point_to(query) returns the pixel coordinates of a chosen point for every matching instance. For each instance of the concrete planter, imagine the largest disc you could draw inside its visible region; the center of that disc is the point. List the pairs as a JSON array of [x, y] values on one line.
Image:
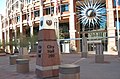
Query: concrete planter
[[22, 65], [12, 59]]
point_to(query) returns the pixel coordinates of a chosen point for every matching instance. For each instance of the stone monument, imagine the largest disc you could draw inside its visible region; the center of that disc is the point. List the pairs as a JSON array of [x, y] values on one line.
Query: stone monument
[[47, 61]]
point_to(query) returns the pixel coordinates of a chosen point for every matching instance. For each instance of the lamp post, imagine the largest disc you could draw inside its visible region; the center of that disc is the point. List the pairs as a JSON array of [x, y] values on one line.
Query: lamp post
[[117, 28]]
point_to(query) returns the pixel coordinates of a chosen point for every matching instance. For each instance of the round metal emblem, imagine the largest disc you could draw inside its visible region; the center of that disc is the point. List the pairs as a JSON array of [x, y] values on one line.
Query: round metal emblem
[[49, 22]]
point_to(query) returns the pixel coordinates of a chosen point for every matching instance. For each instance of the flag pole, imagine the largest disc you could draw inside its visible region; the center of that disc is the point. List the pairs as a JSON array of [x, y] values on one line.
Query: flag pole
[[117, 26]]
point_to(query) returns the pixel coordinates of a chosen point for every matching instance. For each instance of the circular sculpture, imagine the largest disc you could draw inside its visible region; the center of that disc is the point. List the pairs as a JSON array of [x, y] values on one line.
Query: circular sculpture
[[91, 12]]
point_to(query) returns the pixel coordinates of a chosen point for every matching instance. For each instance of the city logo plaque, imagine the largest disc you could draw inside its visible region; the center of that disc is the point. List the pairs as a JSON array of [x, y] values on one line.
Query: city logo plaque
[[49, 22]]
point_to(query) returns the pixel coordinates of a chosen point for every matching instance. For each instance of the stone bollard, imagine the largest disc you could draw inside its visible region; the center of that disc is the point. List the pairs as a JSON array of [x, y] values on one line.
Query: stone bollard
[[84, 52], [22, 65], [69, 71], [99, 57], [13, 59]]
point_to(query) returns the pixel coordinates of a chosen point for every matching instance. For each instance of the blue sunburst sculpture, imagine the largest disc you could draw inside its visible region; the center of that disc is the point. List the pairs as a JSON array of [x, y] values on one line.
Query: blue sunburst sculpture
[[91, 12]]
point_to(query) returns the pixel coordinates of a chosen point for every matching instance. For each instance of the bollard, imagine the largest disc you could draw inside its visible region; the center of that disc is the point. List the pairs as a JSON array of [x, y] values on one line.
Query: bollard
[[99, 57], [69, 71], [84, 52], [13, 59], [22, 65]]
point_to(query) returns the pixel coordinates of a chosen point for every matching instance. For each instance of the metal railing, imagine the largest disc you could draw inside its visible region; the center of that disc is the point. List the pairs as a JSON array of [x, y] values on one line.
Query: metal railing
[[91, 43]]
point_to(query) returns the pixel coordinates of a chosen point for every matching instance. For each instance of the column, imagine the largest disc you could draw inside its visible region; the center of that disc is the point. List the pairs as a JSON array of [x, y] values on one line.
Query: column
[[8, 39], [15, 30], [72, 24], [4, 36], [20, 8], [5, 39], [56, 18], [110, 27], [30, 23], [41, 8], [21, 32], [31, 30], [7, 36], [55, 10]]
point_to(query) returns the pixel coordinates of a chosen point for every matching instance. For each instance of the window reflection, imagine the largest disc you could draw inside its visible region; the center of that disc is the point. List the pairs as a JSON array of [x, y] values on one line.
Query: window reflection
[[115, 2]]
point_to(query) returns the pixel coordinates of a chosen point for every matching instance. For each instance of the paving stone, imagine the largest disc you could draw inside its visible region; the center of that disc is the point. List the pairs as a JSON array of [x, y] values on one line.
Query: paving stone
[[88, 68]]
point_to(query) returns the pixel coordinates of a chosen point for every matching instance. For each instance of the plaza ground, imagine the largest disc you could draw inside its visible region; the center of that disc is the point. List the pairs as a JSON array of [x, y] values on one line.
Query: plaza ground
[[110, 69]]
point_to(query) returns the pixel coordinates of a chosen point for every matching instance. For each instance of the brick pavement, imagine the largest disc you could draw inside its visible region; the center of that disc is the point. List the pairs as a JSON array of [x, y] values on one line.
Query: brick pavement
[[88, 68]]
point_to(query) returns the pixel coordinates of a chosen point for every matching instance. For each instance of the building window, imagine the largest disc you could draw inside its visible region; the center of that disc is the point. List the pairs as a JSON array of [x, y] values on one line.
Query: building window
[[37, 13], [25, 17], [28, 17], [52, 10], [12, 7], [28, 1], [115, 2], [35, 31], [64, 30], [64, 8], [116, 24], [18, 18], [22, 0], [49, 10], [12, 1]]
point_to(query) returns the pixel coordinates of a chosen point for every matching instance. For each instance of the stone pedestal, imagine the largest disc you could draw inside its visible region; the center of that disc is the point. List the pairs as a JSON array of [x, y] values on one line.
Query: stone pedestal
[[84, 48], [22, 65], [12, 59], [99, 57], [69, 71], [47, 61]]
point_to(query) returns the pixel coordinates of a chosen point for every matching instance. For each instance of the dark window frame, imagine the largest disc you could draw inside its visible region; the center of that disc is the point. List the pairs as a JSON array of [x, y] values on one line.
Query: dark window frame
[[37, 13], [64, 7], [49, 10]]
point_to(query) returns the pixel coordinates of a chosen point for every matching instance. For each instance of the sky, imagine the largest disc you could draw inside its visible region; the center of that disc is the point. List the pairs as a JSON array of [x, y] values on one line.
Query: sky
[[2, 6]]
